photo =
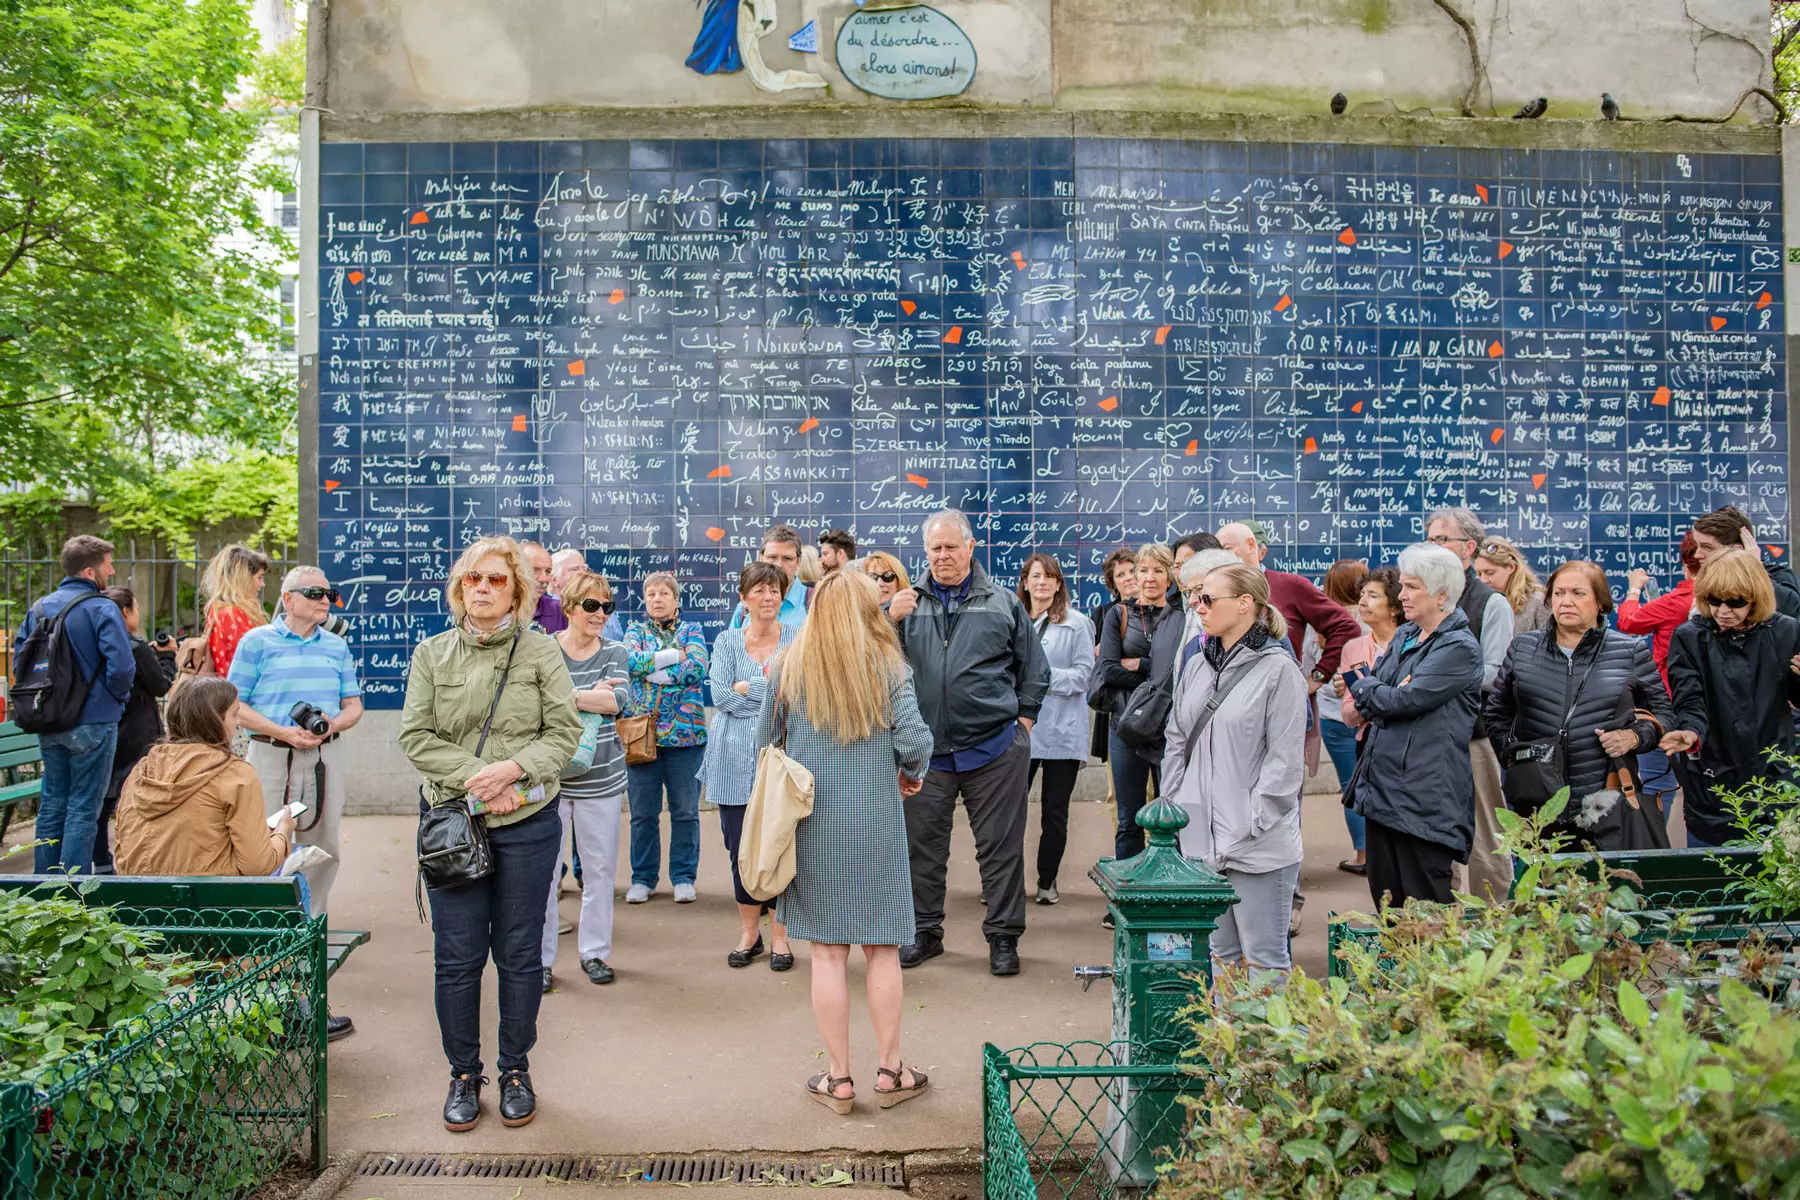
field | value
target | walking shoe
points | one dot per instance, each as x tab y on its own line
518	1103
1106	922
1294	922
1003	954
924	946
565	926
637	893
549	983
685	894
746	956
338	1027
1047	894
462	1107
597	970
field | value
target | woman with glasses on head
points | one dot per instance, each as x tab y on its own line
1059	740
739	675
1735	672
1235	761
490	719
1499	564
667	657
592	800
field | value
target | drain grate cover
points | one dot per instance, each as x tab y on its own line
627	1169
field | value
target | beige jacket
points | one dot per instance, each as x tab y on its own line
190	809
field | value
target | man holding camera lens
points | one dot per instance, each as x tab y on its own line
297	692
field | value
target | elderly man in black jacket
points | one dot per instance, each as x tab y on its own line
981	676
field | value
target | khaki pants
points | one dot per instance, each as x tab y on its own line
1489	874
318	826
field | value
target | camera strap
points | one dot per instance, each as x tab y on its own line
287	787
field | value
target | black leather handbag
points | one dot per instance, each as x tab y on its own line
453	842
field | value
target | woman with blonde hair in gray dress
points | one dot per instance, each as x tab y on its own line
840	701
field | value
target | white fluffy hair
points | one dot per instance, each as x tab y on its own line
1203	563
1438	568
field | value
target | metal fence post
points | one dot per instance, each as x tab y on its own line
18	1122
321	1101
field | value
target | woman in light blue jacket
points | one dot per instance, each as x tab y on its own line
1060	739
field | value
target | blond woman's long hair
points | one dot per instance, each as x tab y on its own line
524	586
1246	580
844	661
230	582
1524	582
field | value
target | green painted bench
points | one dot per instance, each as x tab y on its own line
18	754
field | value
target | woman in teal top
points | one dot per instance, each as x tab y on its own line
667	661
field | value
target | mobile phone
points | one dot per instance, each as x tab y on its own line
1352	674
293	810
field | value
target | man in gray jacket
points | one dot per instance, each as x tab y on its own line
981	676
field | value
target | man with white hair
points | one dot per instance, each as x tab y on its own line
981	676
1489	872
548	615
297	695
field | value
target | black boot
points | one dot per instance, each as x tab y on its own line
1003	954
518	1103
337	1027
925	945
462	1107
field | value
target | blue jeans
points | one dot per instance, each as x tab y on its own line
1131	776
77	768
1340	743
501	916
676	769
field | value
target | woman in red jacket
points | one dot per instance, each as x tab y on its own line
1661	617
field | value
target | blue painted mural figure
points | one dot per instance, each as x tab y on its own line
716	45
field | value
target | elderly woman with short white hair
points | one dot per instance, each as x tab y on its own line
1413	784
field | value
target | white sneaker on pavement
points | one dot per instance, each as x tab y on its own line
684	893
637	893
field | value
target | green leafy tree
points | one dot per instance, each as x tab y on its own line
1784	31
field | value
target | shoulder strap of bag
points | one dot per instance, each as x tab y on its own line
1576	698
1224	689
498	692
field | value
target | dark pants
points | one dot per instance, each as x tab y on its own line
1131	777
1404	867
994	797
731	824
502	916
1053	822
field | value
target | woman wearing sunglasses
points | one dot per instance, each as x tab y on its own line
1735	672
592	800
888	572
525	731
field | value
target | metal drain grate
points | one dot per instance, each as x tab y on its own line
627	1169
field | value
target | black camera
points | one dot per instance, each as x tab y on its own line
310	719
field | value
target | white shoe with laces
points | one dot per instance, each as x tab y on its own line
637	893
1048	895
684	893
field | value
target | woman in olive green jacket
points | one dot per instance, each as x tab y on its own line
449	689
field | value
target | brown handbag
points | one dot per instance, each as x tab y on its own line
638	734
193	660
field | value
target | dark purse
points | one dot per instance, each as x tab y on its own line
1538	768
1144	717
453	842
1637	822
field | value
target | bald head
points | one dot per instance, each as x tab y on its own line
1238	539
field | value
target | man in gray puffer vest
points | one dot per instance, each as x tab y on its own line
981	676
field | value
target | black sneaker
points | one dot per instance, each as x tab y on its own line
1003	954
549	982
462	1107
923	947
338	1027
1106	922
597	970
518	1103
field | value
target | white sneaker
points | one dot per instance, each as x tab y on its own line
1048	895
684	893
637	893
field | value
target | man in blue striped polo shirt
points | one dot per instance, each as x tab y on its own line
278	666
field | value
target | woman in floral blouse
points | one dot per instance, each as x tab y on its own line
668	666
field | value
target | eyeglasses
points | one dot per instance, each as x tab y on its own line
318	593
884	576
591	605
498	579
1444	539
1205	601
1732	602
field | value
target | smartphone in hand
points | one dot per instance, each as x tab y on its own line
293	810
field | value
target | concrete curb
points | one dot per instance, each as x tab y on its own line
336	1176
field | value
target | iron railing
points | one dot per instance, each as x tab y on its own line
208	1095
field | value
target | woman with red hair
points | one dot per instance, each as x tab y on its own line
1661	617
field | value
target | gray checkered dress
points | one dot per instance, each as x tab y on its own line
852	882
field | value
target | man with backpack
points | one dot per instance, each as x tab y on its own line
73	669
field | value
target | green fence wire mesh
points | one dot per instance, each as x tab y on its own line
1087	1119
207	1096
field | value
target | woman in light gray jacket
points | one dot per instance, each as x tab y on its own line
1059	740
1236	759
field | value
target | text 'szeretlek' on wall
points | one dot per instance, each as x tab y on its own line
652	350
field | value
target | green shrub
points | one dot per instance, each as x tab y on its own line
1519	1049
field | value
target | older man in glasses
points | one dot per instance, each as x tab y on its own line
297	693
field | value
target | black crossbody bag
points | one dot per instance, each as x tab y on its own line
453	842
1538	768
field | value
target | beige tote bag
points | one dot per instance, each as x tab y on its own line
781	798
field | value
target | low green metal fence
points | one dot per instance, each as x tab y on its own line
1088	1119
205	1097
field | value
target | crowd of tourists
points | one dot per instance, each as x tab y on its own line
1443	686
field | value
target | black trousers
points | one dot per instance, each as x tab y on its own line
1053	822
1404	867
994	797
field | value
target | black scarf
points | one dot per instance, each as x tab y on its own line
1218	654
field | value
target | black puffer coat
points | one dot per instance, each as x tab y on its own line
1538	686
1733	688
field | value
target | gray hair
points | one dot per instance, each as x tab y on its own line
1203	563
291	581
1467	524
1437	567
948	516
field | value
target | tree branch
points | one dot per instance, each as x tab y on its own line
24	234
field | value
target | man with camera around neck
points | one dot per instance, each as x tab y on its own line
291	674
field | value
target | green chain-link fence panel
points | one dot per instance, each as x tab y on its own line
206	1096
1088	1119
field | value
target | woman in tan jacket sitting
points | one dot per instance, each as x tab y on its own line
192	807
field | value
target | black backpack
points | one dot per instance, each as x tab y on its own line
48	692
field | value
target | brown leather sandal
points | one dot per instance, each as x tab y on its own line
888	1097
821	1088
